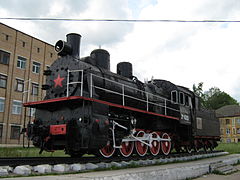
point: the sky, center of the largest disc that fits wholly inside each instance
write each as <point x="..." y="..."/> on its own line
<point x="183" y="53"/>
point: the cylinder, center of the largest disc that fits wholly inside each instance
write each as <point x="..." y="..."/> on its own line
<point x="102" y="58"/>
<point x="125" y="69"/>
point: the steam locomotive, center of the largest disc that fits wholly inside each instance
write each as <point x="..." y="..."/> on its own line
<point x="89" y="109"/>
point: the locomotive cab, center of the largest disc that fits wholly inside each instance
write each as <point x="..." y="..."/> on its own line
<point x="184" y="97"/>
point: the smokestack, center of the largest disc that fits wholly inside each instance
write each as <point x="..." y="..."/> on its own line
<point x="71" y="47"/>
<point x="74" y="39"/>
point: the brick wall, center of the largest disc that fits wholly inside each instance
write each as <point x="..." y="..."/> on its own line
<point x="29" y="57"/>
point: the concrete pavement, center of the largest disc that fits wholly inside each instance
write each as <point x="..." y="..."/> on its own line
<point x="234" y="176"/>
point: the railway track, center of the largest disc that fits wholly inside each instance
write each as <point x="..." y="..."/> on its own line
<point x="33" y="161"/>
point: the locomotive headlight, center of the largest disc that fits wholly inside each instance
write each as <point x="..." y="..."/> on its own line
<point x="63" y="48"/>
<point x="80" y="119"/>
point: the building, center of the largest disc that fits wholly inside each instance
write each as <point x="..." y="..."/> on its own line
<point x="229" y="117"/>
<point x="23" y="59"/>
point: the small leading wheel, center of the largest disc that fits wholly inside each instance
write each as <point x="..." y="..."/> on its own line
<point x="108" y="150"/>
<point x="140" y="147"/>
<point x="197" y="145"/>
<point x="127" y="148"/>
<point x="205" y="147"/>
<point x="196" y="148"/>
<point x="166" y="145"/>
<point x="211" y="148"/>
<point x="188" y="149"/>
<point x="155" y="144"/>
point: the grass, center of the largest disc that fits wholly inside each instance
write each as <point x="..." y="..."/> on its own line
<point x="232" y="148"/>
<point x="27" y="152"/>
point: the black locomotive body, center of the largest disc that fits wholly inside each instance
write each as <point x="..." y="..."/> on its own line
<point x="89" y="109"/>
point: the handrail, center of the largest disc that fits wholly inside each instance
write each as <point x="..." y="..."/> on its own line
<point x="121" y="92"/>
<point x="164" y="100"/>
<point x="77" y="82"/>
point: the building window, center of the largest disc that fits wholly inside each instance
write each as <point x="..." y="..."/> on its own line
<point x="17" y="107"/>
<point x="7" y="37"/>
<point x="15" y="132"/>
<point x="2" y="104"/>
<point x="21" y="62"/>
<point x="1" y="130"/>
<point x="19" y="85"/>
<point x="23" y="44"/>
<point x="238" y="130"/>
<point x="31" y="112"/>
<point x="227" y="121"/>
<point x="36" y="67"/>
<point x="228" y="131"/>
<point x="234" y="131"/>
<point x="38" y="50"/>
<point x="237" y="120"/>
<point x="51" y="55"/>
<point x="4" y="57"/>
<point x="34" y="89"/>
<point x="3" y="81"/>
<point x="221" y="131"/>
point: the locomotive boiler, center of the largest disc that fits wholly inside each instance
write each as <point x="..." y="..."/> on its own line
<point x="89" y="109"/>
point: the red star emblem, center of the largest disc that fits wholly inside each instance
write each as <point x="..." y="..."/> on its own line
<point x="58" y="81"/>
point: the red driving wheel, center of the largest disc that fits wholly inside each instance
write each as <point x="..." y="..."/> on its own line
<point x="108" y="150"/>
<point x="127" y="148"/>
<point x="155" y="145"/>
<point x="140" y="147"/>
<point x="166" y="145"/>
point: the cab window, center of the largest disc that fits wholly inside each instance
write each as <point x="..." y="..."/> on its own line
<point x="187" y="100"/>
<point x="174" y="97"/>
<point x="181" y="98"/>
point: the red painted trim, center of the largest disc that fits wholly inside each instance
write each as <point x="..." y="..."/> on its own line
<point x="28" y="104"/>
<point x="60" y="129"/>
<point x="98" y="101"/>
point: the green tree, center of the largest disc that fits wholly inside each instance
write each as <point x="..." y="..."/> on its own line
<point x="214" y="98"/>
<point x="198" y="90"/>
